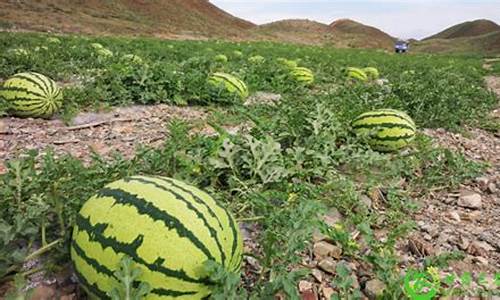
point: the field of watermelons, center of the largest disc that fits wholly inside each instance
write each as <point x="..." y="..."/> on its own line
<point x="303" y="173"/>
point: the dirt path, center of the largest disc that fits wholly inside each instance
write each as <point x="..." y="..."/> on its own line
<point x="123" y="130"/>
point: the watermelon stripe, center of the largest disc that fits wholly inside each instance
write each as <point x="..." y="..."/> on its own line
<point x="91" y="287"/>
<point x="383" y="125"/>
<point x="148" y="209"/>
<point x="42" y="86"/>
<point x="44" y="82"/>
<point x="171" y="293"/>
<point x="18" y="89"/>
<point x="196" y="198"/>
<point x="199" y="200"/>
<point x="103" y="270"/>
<point x="392" y="138"/>
<point x="95" y="233"/>
<point x="386" y="113"/>
<point x="199" y="214"/>
<point x="90" y="261"/>
<point x="236" y="85"/>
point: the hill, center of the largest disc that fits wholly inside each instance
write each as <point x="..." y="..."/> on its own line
<point x="342" y="33"/>
<point x="467" y="29"/>
<point x="483" y="44"/>
<point x="357" y="35"/>
<point x="294" y="31"/>
<point x="163" y="18"/>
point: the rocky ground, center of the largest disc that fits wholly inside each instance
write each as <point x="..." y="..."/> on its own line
<point x="466" y="219"/>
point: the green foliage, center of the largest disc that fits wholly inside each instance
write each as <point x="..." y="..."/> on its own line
<point x="127" y="275"/>
<point x="299" y="159"/>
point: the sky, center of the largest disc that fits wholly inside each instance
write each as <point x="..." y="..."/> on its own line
<point x="400" y="18"/>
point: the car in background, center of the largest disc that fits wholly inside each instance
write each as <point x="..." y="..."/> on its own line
<point x="401" y="47"/>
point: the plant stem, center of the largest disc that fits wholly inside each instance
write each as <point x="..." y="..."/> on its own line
<point x="42" y="250"/>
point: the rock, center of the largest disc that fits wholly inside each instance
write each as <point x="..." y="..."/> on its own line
<point x="327" y="292"/>
<point x="471" y="216"/>
<point x="481" y="260"/>
<point x="308" y="295"/>
<point x="317" y="274"/>
<point x="469" y="199"/>
<point x="328" y="265"/>
<point x="323" y="249"/>
<point x="367" y="201"/>
<point x="374" y="289"/>
<point x="318" y="236"/>
<point x="305" y="285"/>
<point x="482" y="182"/>
<point x="454" y="216"/>
<point x="492" y="188"/>
<point x="332" y="217"/>
<point x="3" y="127"/>
<point x="477" y="248"/>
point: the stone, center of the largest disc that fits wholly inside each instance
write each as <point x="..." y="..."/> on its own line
<point x="367" y="201"/>
<point x="481" y="260"/>
<point x="332" y="217"/>
<point x="482" y="182"/>
<point x="323" y="249"/>
<point x="305" y="285"/>
<point x="317" y="274"/>
<point x="492" y="188"/>
<point x="374" y="289"/>
<point x="328" y="265"/>
<point x="454" y="216"/>
<point x="469" y="199"/>
<point x="318" y="236"/>
<point x="327" y="292"/>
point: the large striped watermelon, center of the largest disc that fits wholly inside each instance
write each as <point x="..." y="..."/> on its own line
<point x="302" y="75"/>
<point x="32" y="95"/>
<point x="371" y="73"/>
<point x="230" y="83"/>
<point x="167" y="227"/>
<point x="388" y="129"/>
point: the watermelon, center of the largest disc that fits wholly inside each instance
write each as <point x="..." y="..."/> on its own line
<point x="356" y="74"/>
<point x="132" y="58"/>
<point x="371" y="73"/>
<point x="32" y="95"/>
<point x="53" y="40"/>
<point x="237" y="53"/>
<point x="221" y="58"/>
<point x="19" y="52"/>
<point x="168" y="228"/>
<point x="97" y="46"/>
<point x="302" y="75"/>
<point x="257" y="59"/>
<point x="230" y="83"/>
<point x="291" y="64"/>
<point x="104" y="52"/>
<point x="387" y="129"/>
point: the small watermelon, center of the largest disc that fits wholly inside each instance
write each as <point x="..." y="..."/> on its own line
<point x="221" y="58"/>
<point x="256" y="59"/>
<point x="387" y="129"/>
<point x="132" y="58"/>
<point x="167" y="227"/>
<point x="302" y="75"/>
<point x="356" y="74"/>
<point x="292" y="64"/>
<point x="32" y="95"/>
<point x="372" y="73"/>
<point x="230" y="83"/>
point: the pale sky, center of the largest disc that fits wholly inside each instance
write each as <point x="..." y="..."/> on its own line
<point x="400" y="18"/>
